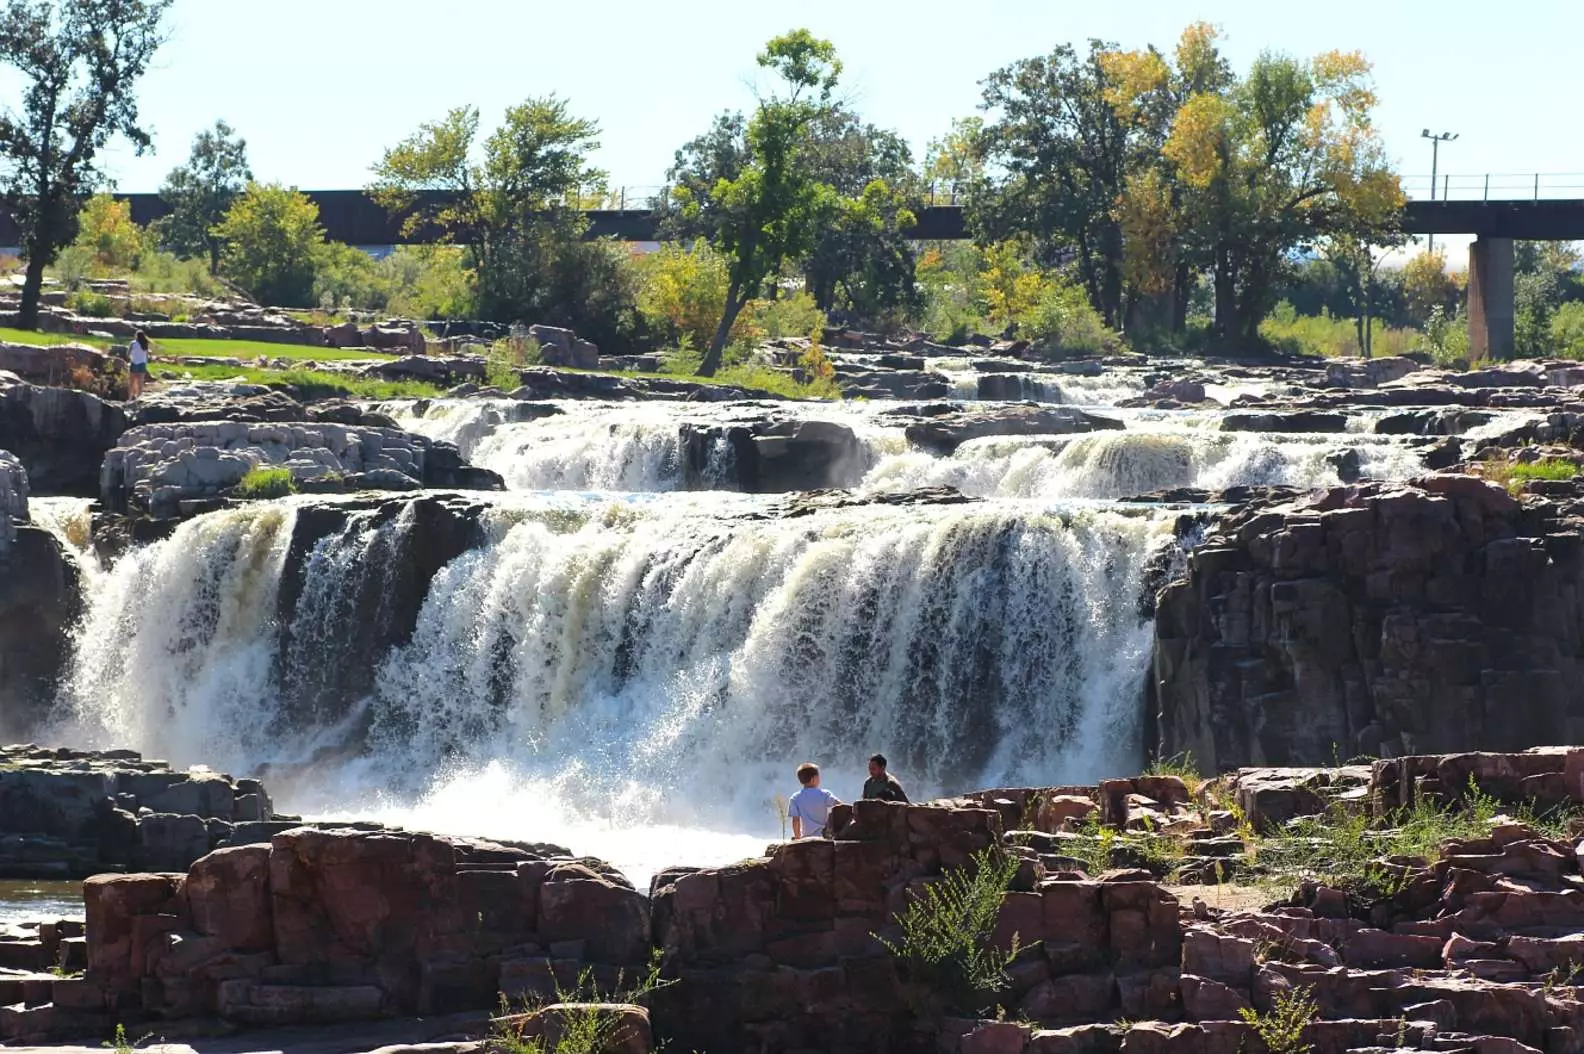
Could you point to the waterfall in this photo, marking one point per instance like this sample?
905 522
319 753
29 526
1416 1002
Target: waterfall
630 668
598 447
1145 457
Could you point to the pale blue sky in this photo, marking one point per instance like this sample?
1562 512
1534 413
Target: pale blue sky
320 87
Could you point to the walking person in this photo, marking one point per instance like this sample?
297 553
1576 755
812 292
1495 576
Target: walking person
881 785
138 356
810 807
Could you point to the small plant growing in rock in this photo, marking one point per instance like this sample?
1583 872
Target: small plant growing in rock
120 1043
1180 765
584 1026
1282 1030
1564 976
945 952
266 483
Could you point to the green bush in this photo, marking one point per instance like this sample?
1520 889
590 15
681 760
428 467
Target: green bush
1282 1030
428 281
1445 338
266 483
273 244
945 952
1063 320
1567 330
94 305
1550 468
1330 337
790 315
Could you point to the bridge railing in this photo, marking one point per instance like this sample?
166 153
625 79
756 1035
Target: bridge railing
1496 186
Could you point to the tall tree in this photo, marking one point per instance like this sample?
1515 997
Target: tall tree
201 191
514 202
1285 160
771 211
273 242
1063 151
80 61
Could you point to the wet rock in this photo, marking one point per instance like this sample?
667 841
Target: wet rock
40 599
942 428
1287 421
66 814
772 455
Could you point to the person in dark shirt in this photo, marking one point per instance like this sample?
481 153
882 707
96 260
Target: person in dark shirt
881 784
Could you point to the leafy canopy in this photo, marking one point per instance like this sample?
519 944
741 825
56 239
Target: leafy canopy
79 61
201 191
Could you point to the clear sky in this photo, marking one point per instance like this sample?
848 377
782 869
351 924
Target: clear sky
320 87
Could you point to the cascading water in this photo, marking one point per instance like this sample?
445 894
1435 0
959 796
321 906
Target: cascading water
599 448
619 670
636 674
1147 456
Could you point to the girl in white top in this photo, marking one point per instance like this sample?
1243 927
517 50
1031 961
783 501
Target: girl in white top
139 356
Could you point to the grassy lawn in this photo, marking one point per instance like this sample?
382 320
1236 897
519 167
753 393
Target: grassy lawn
199 347
321 382
27 336
757 378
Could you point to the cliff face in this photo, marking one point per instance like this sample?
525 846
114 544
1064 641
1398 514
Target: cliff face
1377 620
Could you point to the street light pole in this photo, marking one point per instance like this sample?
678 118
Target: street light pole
1435 157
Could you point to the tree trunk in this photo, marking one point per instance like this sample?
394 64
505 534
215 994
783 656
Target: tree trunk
1182 290
1226 320
717 349
32 287
214 256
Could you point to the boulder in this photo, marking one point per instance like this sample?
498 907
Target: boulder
1285 421
157 467
772 454
941 428
60 435
562 347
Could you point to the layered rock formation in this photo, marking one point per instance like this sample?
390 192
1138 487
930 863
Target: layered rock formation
156 467
70 814
1473 947
327 926
39 600
60 435
1376 620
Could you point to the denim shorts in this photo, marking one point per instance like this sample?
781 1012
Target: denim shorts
140 368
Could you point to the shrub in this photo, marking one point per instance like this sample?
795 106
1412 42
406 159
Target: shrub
266 483
792 315
1282 1030
1567 330
507 357
94 305
428 281
105 230
945 951
584 1028
1446 338
1062 320
682 292
273 243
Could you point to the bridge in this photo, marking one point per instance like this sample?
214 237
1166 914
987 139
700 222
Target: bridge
1497 209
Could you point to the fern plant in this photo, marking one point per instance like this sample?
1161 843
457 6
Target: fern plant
945 952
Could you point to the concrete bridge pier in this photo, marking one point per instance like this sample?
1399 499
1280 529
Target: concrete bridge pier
1490 298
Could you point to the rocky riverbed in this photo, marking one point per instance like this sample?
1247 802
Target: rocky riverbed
1152 911
552 614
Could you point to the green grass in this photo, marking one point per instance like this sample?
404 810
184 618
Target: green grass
315 382
1555 468
242 349
199 347
1331 337
27 336
266 483
1514 474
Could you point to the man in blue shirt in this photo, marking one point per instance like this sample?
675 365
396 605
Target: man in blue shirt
810 807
